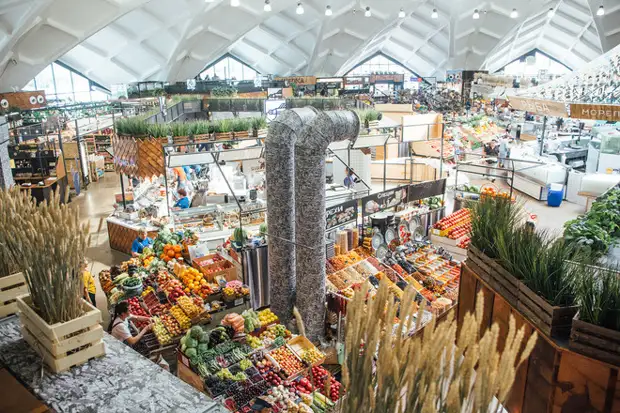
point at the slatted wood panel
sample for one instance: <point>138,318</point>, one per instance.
<point>150,158</point>
<point>554,379</point>
<point>11,287</point>
<point>125,155</point>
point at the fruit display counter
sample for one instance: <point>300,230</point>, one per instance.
<point>252,362</point>
<point>453,233</point>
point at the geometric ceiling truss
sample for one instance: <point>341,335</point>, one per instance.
<point>121,41</point>
<point>569,35</point>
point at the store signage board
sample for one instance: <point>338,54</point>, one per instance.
<point>341,214</point>
<point>426,189</point>
<point>396,78</point>
<point>23,100</point>
<point>595,112</point>
<point>383,200</point>
<point>299,80</point>
<point>538,107</point>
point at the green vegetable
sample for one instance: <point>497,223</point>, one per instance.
<point>191,342</point>
<point>196,332</point>
<point>202,348</point>
<point>191,352</point>
<point>132,282</point>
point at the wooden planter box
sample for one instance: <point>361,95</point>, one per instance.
<point>260,132</point>
<point>180,140</point>
<point>593,341</point>
<point>224,136</point>
<point>555,378</point>
<point>241,135</point>
<point>62,345</point>
<point>11,287</point>
<point>202,138</point>
<point>553,321</point>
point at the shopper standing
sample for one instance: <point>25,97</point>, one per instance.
<point>119,326</point>
<point>90,290</point>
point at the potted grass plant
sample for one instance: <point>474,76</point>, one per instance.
<point>240,127</point>
<point>223,130</point>
<point>134,127</point>
<point>596,327</point>
<point>180,132</point>
<point>12,281</point>
<point>48,242</point>
<point>158,130</point>
<point>259,126</point>
<point>200,130</point>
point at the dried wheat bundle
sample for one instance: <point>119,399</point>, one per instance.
<point>48,243</point>
<point>431,372</point>
<point>8,263</point>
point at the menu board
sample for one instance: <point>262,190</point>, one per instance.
<point>384,200</point>
<point>341,214</point>
<point>539,107</point>
<point>426,189</point>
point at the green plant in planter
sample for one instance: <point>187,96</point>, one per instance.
<point>587,236</point>
<point>200,127</point>
<point>158,130</point>
<point>491,218</point>
<point>132,127</point>
<point>180,129</point>
<point>240,125</point>
<point>597,292</point>
<point>259,122</point>
<point>224,125</point>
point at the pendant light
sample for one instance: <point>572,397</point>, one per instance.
<point>300,9</point>
<point>434,14</point>
<point>476,15</point>
<point>234,3</point>
<point>208,1</point>
<point>550,13</point>
<point>600,11</point>
<point>401,13</point>
<point>267,6</point>
<point>328,10</point>
<point>514,14</point>
<point>367,13</point>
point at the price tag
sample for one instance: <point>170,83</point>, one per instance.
<point>238,302</point>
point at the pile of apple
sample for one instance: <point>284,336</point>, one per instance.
<point>173,289</point>
<point>320,376</point>
<point>288,362</point>
<point>171,325</point>
<point>136,309</point>
<point>304,386</point>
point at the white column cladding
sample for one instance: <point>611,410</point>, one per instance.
<point>310,151</point>
<point>280,189</point>
<point>6,176</point>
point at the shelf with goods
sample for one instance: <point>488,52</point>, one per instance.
<point>97,144</point>
<point>453,233</point>
<point>252,360</point>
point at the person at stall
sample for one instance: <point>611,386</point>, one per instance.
<point>119,326</point>
<point>140,243</point>
<point>350,179</point>
<point>183,202</point>
<point>90,290</point>
<point>180,176</point>
<point>491,150</point>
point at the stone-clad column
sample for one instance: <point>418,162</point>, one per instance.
<point>6,177</point>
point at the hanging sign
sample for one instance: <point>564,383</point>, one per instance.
<point>298,80</point>
<point>395,77</point>
<point>384,200</point>
<point>341,214</point>
<point>23,100</point>
<point>426,189</point>
<point>538,107</point>
<point>595,112</point>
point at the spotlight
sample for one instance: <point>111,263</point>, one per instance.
<point>234,3</point>
<point>367,13</point>
<point>401,13</point>
<point>550,13</point>
<point>267,6</point>
<point>476,15</point>
<point>300,9</point>
<point>514,14</point>
<point>328,10</point>
<point>600,11</point>
<point>434,14</point>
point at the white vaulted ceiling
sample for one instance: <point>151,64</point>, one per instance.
<point>120,41</point>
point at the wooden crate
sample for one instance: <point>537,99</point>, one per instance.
<point>11,287</point>
<point>228,271</point>
<point>554,379</point>
<point>594,341</point>
<point>62,345</point>
<point>553,321</point>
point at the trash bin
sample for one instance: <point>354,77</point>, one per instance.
<point>555,195</point>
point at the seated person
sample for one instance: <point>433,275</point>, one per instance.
<point>183,202</point>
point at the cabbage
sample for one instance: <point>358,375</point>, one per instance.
<point>197,332</point>
<point>191,342</point>
<point>203,347</point>
<point>191,353</point>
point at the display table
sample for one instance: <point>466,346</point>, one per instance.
<point>42,192</point>
<point>121,381</point>
<point>122,233</point>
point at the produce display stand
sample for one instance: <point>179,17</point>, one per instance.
<point>122,233</point>
<point>11,287</point>
<point>62,345</point>
<point>554,378</point>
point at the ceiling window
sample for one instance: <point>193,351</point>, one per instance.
<point>64,86</point>
<point>228,68</point>
<point>535,65</point>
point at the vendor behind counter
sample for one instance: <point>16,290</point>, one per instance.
<point>140,243</point>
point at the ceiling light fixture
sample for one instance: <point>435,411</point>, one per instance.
<point>328,10</point>
<point>367,13</point>
<point>514,14</point>
<point>550,13</point>
<point>434,14</point>
<point>401,13</point>
<point>267,6</point>
<point>476,15</point>
<point>600,11</point>
<point>208,1</point>
<point>300,9</point>
<point>234,3</point>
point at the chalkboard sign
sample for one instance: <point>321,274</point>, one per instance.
<point>426,189</point>
<point>384,200</point>
<point>341,214</point>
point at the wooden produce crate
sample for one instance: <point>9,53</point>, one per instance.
<point>493,274</point>
<point>300,344</point>
<point>554,378</point>
<point>228,272</point>
<point>11,287</point>
<point>594,341</point>
<point>62,345</point>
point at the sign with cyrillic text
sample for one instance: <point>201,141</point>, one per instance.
<point>595,112</point>
<point>538,107</point>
